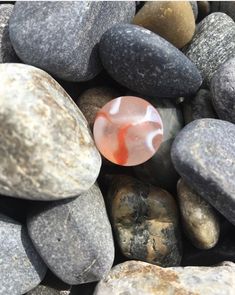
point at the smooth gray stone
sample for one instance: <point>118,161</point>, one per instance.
<point>74,237</point>
<point>203,153</point>
<point>223,91</point>
<point>212,44</point>
<point>146,63</point>
<point>62,37</point>
<point>194,8</point>
<point>21,268</point>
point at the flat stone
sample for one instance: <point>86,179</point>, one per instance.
<point>146,63</point>
<point>159,170</point>
<point>145,221</point>
<point>199,219</point>
<point>21,268</point>
<point>7,53</point>
<point>213,44</point>
<point>140,278</point>
<point>223,91</point>
<point>172,20</point>
<point>62,37</point>
<point>77,244</point>
<point>46,147</point>
<point>203,153</point>
<point>199,107</point>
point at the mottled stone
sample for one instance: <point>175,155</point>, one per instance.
<point>227,7</point>
<point>140,278</point>
<point>159,170</point>
<point>145,221</point>
<point>223,91</point>
<point>198,107</point>
<point>62,37</point>
<point>203,153</point>
<point>21,268</point>
<point>7,53</point>
<point>93,99</point>
<point>146,63</point>
<point>46,290</point>
<point>213,44</point>
<point>199,219</point>
<point>194,8</point>
<point>172,20</point>
<point>46,147</point>
<point>74,237</point>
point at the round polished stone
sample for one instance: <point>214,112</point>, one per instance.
<point>128,130</point>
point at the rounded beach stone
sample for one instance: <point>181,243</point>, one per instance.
<point>146,63</point>
<point>200,221</point>
<point>194,8</point>
<point>203,153</point>
<point>46,147</point>
<point>145,221</point>
<point>159,170</point>
<point>21,268</point>
<point>198,107</point>
<point>172,20</point>
<point>93,99</point>
<point>7,53</point>
<point>213,44</point>
<point>128,130</point>
<point>62,37</point>
<point>77,244</point>
<point>223,91</point>
<point>136,277</point>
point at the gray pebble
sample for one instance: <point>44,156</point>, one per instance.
<point>223,91</point>
<point>213,44</point>
<point>21,268</point>
<point>62,37</point>
<point>74,237</point>
<point>204,155</point>
<point>146,63</point>
<point>194,8</point>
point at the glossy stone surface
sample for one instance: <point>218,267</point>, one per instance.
<point>128,130</point>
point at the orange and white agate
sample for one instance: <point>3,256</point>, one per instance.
<point>128,130</point>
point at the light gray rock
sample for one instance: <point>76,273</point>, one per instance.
<point>62,37</point>
<point>21,268</point>
<point>194,8</point>
<point>74,237</point>
<point>203,153</point>
<point>140,278</point>
<point>46,147</point>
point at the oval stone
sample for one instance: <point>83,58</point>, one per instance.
<point>46,147</point>
<point>146,63</point>
<point>203,153</point>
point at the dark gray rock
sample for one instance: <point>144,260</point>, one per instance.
<point>204,155</point>
<point>223,91</point>
<point>146,63</point>
<point>62,37</point>
<point>213,44</point>
<point>198,107</point>
<point>194,8</point>
<point>227,7</point>
<point>7,53</point>
<point>21,268</point>
<point>74,237</point>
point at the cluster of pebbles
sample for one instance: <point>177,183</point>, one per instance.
<point>70,221</point>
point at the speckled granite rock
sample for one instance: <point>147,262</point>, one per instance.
<point>198,107</point>
<point>161,161</point>
<point>194,8</point>
<point>140,278</point>
<point>213,44</point>
<point>146,63</point>
<point>62,37</point>
<point>172,20</point>
<point>74,237</point>
<point>223,91</point>
<point>46,148</point>
<point>227,7</point>
<point>203,153</point>
<point>199,219</point>
<point>145,221</point>
<point>93,99</point>
<point>7,53</point>
<point>21,268</point>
